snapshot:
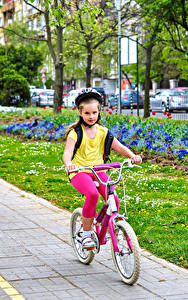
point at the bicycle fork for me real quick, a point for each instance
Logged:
(111, 224)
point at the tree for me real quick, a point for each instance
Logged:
(173, 15)
(174, 20)
(75, 57)
(56, 15)
(94, 23)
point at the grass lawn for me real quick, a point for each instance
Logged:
(156, 195)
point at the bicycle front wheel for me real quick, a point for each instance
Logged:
(127, 262)
(76, 230)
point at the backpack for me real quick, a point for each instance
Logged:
(107, 145)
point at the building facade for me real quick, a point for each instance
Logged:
(18, 11)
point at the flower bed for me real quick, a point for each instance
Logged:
(165, 139)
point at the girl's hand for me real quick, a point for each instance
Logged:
(137, 159)
(70, 167)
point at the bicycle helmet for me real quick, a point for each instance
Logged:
(86, 93)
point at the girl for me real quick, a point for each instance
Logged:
(90, 153)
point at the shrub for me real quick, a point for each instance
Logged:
(14, 88)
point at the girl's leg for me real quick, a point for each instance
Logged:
(103, 190)
(83, 183)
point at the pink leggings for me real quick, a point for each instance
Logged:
(84, 183)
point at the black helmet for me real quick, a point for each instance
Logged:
(86, 93)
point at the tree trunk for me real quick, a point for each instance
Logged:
(58, 89)
(147, 81)
(58, 72)
(88, 67)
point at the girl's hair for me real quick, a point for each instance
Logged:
(79, 122)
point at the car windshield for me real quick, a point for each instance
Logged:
(48, 93)
(184, 92)
(175, 93)
(100, 90)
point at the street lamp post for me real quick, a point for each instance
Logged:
(138, 96)
(118, 6)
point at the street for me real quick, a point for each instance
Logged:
(178, 115)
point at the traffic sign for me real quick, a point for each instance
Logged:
(43, 70)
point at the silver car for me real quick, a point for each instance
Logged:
(176, 100)
(69, 100)
(35, 96)
(47, 98)
(42, 97)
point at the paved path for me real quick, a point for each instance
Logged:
(37, 260)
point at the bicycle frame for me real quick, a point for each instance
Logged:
(108, 222)
(108, 214)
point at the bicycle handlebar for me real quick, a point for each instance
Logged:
(107, 166)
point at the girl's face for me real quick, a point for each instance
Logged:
(90, 112)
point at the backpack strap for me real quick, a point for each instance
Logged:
(107, 146)
(79, 133)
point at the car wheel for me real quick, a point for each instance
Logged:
(163, 107)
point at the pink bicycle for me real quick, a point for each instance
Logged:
(124, 243)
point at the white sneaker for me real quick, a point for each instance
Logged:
(88, 243)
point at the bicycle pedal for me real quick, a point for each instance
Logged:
(90, 249)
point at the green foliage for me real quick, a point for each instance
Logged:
(13, 85)
(24, 59)
(155, 195)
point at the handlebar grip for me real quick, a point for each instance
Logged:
(108, 166)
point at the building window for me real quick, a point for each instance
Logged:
(30, 25)
(19, 15)
(10, 21)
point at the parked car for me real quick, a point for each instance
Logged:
(181, 89)
(112, 100)
(69, 100)
(102, 92)
(126, 96)
(178, 100)
(35, 96)
(42, 97)
(47, 98)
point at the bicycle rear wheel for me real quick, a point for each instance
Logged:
(128, 261)
(76, 229)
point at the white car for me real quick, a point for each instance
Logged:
(169, 98)
(41, 97)
(47, 98)
(69, 100)
(35, 96)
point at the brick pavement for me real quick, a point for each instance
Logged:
(37, 260)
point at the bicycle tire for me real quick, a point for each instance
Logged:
(84, 256)
(123, 261)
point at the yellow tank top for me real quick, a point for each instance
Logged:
(91, 151)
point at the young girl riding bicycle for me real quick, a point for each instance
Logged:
(89, 153)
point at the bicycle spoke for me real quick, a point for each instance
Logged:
(128, 260)
(76, 233)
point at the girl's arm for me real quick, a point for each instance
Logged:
(124, 151)
(67, 155)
